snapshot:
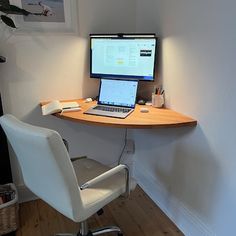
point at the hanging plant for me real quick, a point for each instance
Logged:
(7, 9)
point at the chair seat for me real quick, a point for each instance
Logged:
(96, 197)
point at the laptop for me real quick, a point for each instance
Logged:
(116, 98)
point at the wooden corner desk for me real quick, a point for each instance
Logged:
(155, 118)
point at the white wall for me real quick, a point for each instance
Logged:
(43, 67)
(190, 172)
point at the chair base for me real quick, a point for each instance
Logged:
(109, 229)
(85, 232)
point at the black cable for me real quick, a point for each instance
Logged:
(122, 152)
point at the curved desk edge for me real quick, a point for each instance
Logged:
(155, 118)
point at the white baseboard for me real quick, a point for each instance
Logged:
(25, 195)
(183, 218)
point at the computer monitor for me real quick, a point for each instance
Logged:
(123, 56)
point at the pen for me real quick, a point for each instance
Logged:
(70, 109)
(162, 92)
(155, 90)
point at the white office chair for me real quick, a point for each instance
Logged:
(77, 189)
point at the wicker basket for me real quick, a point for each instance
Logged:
(9, 218)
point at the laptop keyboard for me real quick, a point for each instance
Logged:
(112, 109)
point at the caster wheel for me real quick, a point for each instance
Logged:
(119, 234)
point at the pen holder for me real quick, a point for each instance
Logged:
(158, 100)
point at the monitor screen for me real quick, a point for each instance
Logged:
(129, 56)
(118, 92)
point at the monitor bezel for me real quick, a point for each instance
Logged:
(124, 36)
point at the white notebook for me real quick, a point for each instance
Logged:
(57, 106)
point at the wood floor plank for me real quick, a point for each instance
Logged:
(136, 216)
(164, 224)
(29, 220)
(125, 219)
(52, 222)
(146, 223)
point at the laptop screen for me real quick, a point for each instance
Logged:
(118, 92)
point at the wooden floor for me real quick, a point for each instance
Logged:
(136, 216)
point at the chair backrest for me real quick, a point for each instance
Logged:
(45, 164)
